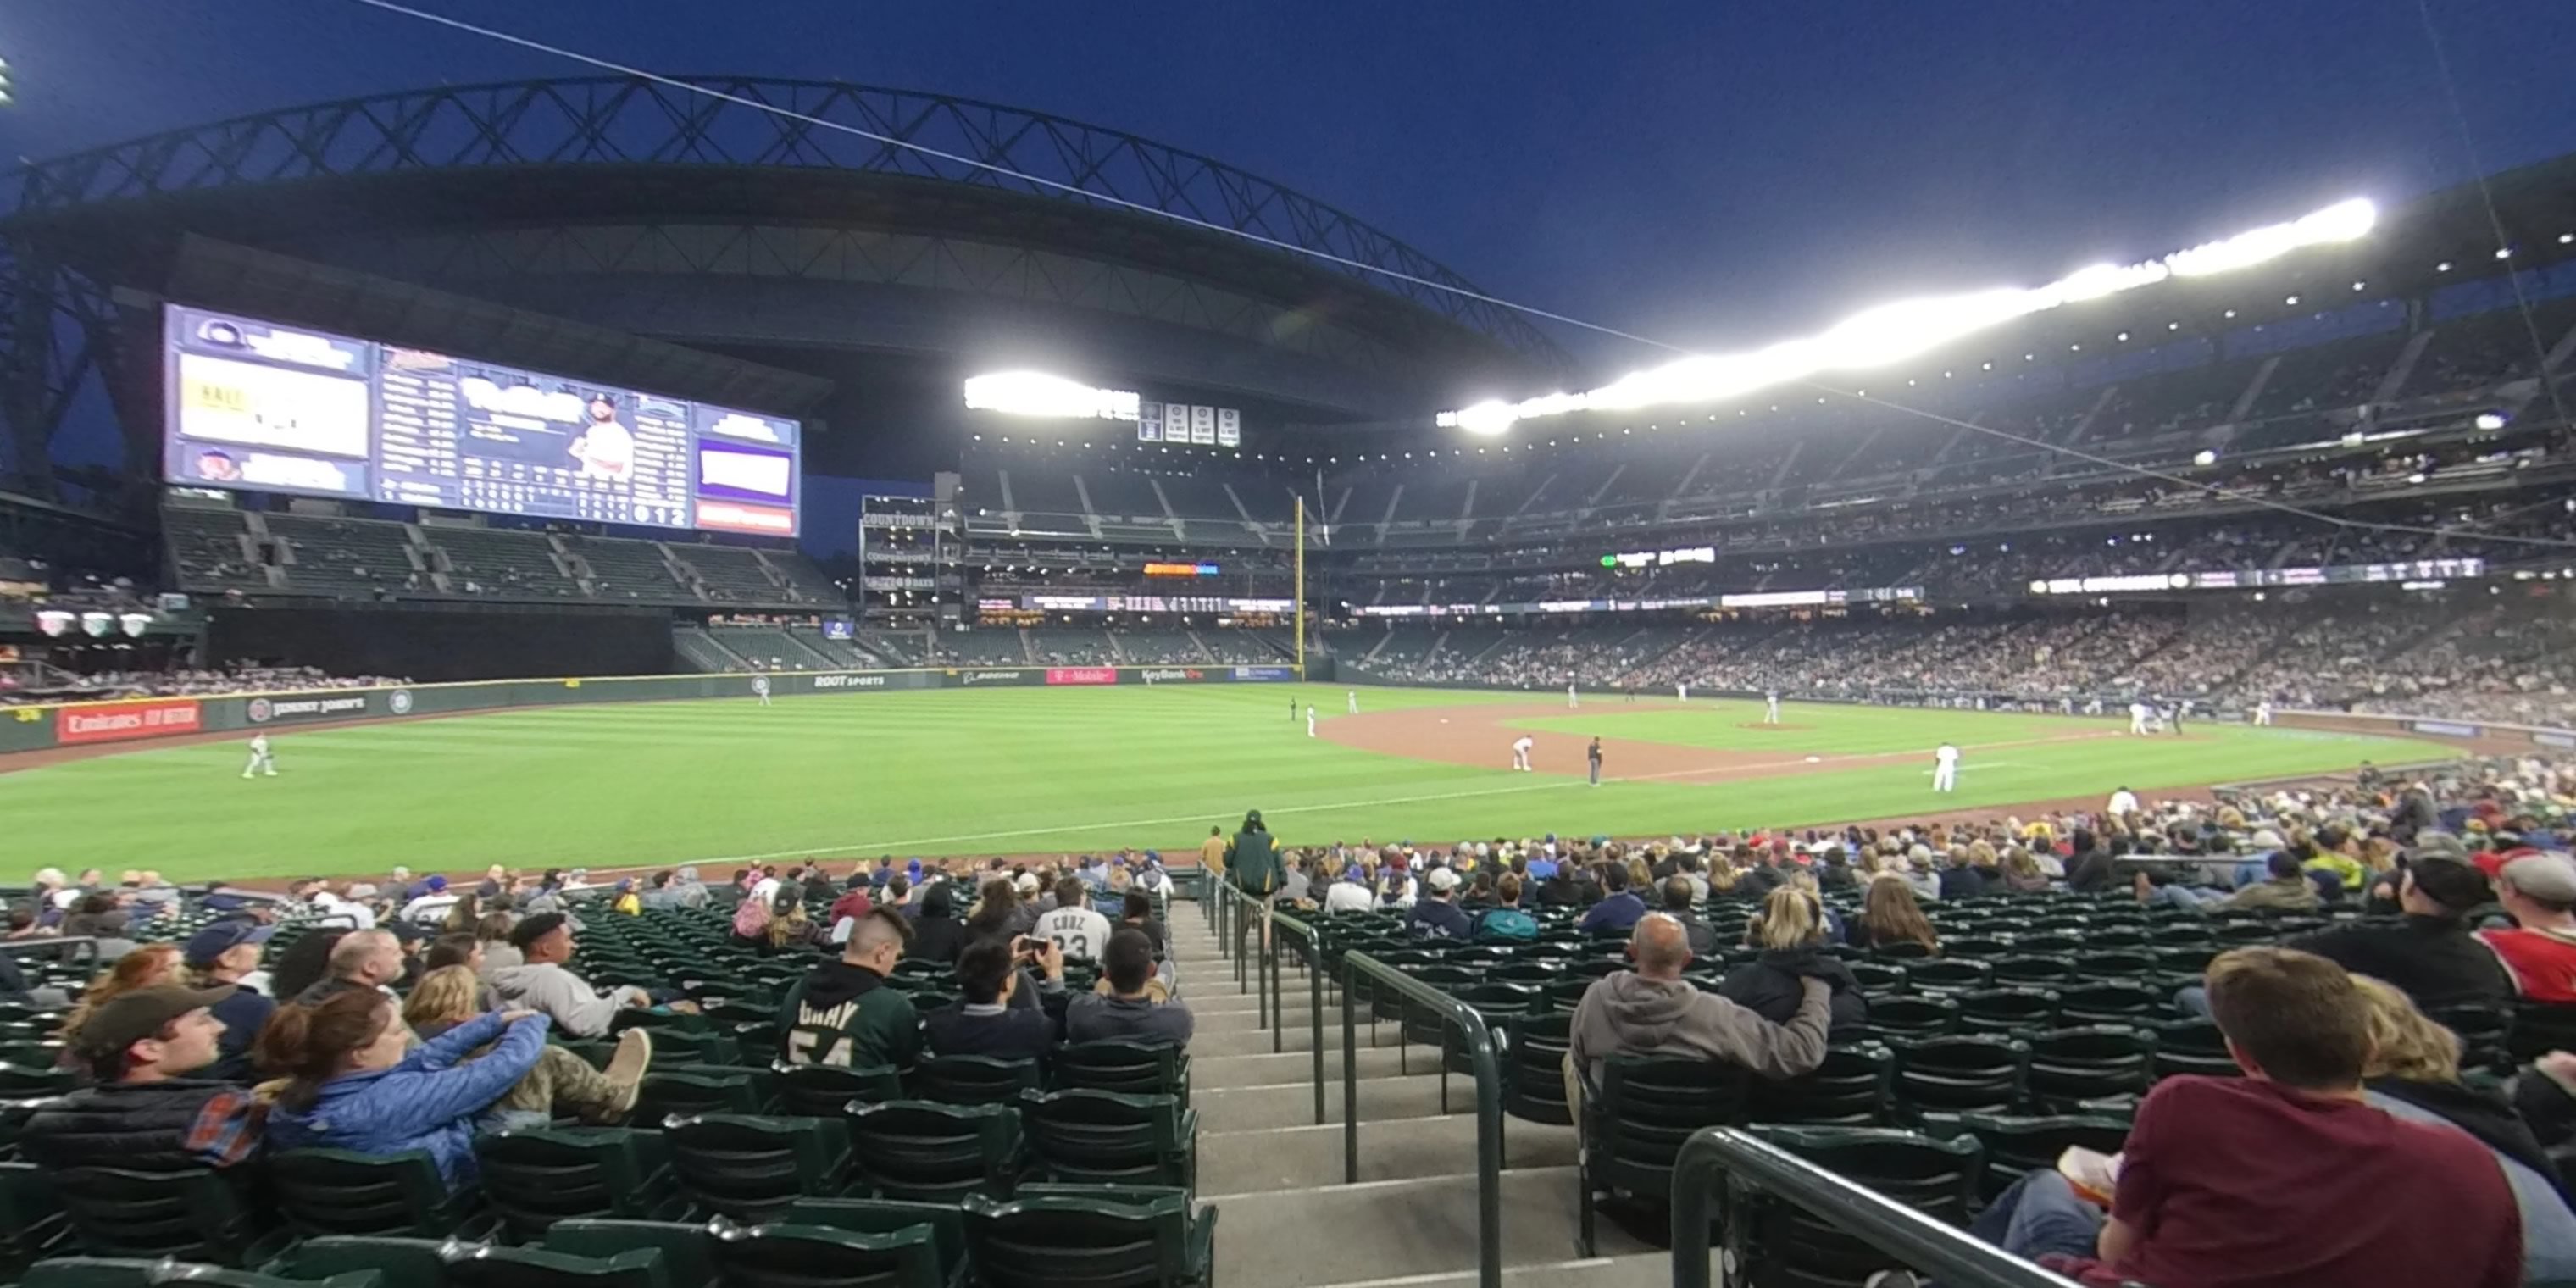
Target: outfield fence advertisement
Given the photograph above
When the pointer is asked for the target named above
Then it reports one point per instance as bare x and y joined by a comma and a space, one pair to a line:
139, 719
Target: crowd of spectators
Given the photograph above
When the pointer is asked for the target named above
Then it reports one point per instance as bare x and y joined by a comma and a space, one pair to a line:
2497, 659
193, 683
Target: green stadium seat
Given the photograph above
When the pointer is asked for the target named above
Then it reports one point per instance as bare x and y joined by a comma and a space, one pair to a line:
2540, 1028
491, 1265
199, 1215
2015, 1145
404, 1262
338, 1191
2006, 1010
2111, 1001
2032, 971
1854, 1087
32, 1222
1948, 974
1933, 1176
2089, 1063
820, 1091
947, 1222
932, 1152
1913, 1016
749, 1168
1122, 1065
1879, 979
535, 1177
1636, 1119
19, 1081
973, 1079
1961, 1074
1534, 1068
1052, 1237
685, 1093
686, 1248
2190, 1046
123, 1272
1108, 1138
811, 1256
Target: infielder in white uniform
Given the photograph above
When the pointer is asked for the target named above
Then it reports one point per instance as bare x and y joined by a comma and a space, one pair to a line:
1310, 719
1570, 700
2138, 718
1681, 692
2123, 803
1351, 700
1521, 753
2263, 712
1945, 768
260, 759
760, 685
1770, 708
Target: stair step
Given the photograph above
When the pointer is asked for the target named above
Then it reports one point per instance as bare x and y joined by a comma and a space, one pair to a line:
1395, 1229
1640, 1270
1293, 1104
1266, 1070
1297, 1018
1295, 1157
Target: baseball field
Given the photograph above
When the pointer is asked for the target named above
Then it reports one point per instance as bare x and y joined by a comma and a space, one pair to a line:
1015, 771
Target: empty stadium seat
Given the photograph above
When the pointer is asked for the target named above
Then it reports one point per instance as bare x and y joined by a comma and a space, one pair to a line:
535, 1177
1636, 1119
338, 1191
1108, 1137
199, 1216
1059, 1237
917, 1149
750, 1168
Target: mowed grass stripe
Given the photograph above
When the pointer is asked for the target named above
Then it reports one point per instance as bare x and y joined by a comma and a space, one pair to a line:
963, 771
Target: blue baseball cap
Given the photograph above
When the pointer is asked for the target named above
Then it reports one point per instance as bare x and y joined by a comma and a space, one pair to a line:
222, 937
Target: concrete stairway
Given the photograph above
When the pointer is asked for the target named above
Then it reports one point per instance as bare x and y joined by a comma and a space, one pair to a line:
1289, 1219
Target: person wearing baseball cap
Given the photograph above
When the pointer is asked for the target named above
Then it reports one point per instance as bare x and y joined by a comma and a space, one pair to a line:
2430, 955
222, 955
2538, 889
153, 1108
1438, 915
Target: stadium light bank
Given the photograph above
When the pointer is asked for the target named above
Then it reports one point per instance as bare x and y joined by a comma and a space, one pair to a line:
1895, 332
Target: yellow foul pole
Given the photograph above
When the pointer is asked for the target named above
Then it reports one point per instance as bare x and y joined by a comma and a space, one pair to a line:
1301, 588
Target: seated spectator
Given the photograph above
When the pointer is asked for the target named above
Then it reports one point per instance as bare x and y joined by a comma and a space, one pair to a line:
1889, 916
355, 1081
1559, 889
1128, 1009
983, 1021
1077, 932
1438, 917
842, 1014
2287, 889
937, 933
561, 1083
1506, 922
542, 983
368, 960
1959, 877
1136, 912
2092, 869
2539, 892
492, 933
2254, 1180
152, 1106
1676, 896
2021, 874
2414, 1073
305, 962
221, 956
2430, 955
1349, 891
853, 904
791, 931
145, 967
1653, 1011
1618, 909
1791, 934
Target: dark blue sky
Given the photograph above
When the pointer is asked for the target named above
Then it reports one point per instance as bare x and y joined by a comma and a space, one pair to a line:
1707, 173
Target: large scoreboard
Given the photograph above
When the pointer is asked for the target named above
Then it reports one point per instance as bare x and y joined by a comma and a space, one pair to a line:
266, 407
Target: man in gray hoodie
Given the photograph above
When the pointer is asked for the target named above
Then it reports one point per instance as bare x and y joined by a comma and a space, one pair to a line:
541, 983
1653, 1011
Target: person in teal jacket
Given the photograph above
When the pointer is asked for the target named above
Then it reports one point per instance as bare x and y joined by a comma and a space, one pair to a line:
353, 1085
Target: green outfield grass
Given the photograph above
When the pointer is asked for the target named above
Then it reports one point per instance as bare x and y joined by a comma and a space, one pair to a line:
993, 771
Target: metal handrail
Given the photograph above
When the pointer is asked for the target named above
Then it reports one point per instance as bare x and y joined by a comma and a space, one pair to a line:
1236, 910
1479, 1043
1291, 927
1736, 1160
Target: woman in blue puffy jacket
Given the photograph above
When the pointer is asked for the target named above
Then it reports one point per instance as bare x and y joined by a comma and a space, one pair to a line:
352, 1084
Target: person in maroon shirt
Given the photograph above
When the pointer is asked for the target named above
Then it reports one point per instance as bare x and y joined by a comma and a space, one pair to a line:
853, 902
2285, 1178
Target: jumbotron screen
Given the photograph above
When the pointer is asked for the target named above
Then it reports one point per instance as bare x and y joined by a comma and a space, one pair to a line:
262, 406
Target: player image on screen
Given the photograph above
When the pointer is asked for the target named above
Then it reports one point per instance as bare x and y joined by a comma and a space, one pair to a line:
217, 467
605, 449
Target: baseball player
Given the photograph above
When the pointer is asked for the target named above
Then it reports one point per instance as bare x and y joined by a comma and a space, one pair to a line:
1351, 701
2138, 718
1310, 719
1592, 757
1771, 707
260, 759
1681, 692
1571, 702
1945, 768
760, 685
1292, 708
2263, 713
1521, 752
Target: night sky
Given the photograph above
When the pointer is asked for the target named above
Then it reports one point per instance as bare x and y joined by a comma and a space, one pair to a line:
1710, 174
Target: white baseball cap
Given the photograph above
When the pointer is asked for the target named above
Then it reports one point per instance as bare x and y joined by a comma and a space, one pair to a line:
1443, 879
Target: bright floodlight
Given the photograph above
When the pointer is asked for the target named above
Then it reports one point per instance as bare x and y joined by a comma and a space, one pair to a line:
2490, 420
1903, 329
2205, 457
1034, 393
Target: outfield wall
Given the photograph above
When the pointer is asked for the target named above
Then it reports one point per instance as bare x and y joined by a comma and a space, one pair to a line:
87, 724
